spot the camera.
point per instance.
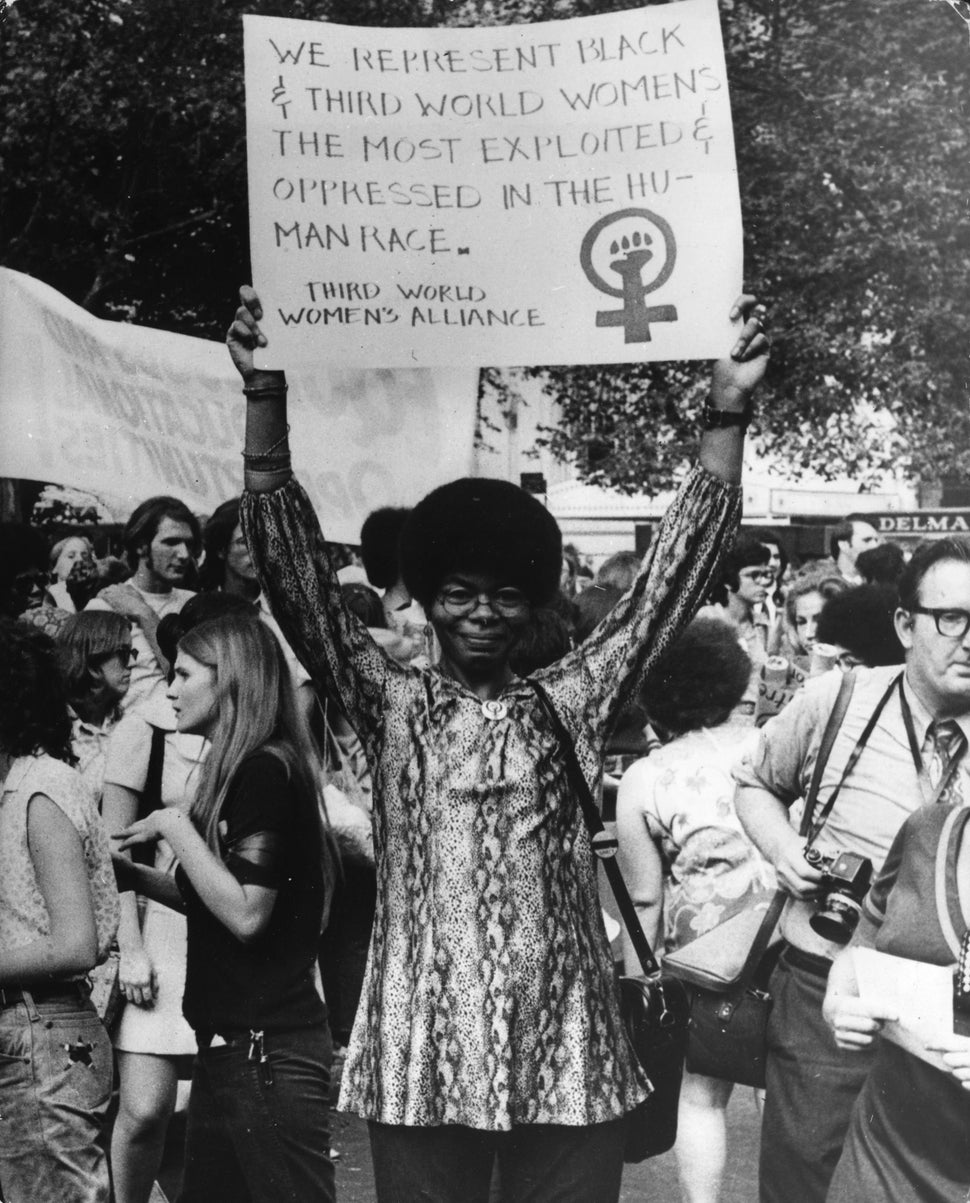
(845, 884)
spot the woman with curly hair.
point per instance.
(58, 916)
(489, 1024)
(685, 858)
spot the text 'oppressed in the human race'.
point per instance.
(506, 186)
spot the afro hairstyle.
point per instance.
(699, 680)
(477, 525)
(379, 539)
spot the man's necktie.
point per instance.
(947, 744)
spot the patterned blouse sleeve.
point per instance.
(295, 571)
(597, 680)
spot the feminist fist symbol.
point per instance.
(631, 253)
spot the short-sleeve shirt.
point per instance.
(89, 742)
(23, 912)
(129, 752)
(882, 791)
(270, 983)
(686, 795)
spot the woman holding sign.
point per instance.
(488, 1025)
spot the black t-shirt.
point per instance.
(267, 984)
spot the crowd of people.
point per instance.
(278, 801)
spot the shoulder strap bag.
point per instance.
(654, 1008)
(730, 1002)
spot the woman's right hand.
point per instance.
(244, 335)
(136, 977)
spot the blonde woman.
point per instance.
(255, 875)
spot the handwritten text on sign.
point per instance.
(554, 193)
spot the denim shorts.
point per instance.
(56, 1072)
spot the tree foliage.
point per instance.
(122, 184)
(851, 123)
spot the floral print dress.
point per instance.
(489, 997)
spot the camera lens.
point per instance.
(837, 919)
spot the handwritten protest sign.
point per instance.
(130, 412)
(564, 192)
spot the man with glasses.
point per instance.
(746, 580)
(913, 756)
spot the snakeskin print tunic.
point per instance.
(489, 997)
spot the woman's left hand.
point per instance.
(737, 375)
(955, 1051)
(149, 830)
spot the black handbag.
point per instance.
(654, 1008)
(728, 1034)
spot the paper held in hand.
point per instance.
(920, 994)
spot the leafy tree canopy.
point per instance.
(122, 184)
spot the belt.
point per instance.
(810, 962)
(205, 1037)
(67, 992)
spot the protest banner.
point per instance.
(129, 412)
(563, 192)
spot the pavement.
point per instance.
(654, 1180)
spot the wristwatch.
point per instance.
(722, 419)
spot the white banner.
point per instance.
(129, 412)
(563, 192)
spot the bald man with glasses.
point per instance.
(909, 728)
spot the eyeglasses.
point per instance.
(125, 654)
(952, 624)
(757, 574)
(506, 602)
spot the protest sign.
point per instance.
(563, 192)
(129, 412)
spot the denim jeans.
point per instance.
(56, 1071)
(260, 1133)
(538, 1163)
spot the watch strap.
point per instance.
(713, 418)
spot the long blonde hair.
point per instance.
(257, 711)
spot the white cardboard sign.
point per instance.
(563, 192)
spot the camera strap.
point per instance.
(841, 705)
